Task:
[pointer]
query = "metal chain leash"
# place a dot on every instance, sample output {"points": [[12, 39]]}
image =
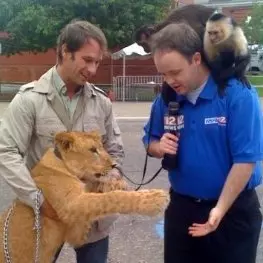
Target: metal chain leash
{"points": [[37, 227], [5, 236]]}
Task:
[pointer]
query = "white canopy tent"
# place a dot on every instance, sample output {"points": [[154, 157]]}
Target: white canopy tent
{"points": [[130, 52]]}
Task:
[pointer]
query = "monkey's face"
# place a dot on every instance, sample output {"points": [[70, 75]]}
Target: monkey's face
{"points": [[182, 75], [215, 34], [218, 31]]}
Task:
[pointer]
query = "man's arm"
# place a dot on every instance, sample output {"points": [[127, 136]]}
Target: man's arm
{"points": [[245, 143], [154, 149], [245, 129], [114, 143], [154, 129], [15, 133], [167, 144], [237, 179]]}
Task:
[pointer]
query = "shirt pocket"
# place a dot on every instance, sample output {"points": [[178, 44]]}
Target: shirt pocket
{"points": [[46, 129], [116, 130], [94, 124]]}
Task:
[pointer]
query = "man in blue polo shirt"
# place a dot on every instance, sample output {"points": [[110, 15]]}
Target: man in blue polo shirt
{"points": [[214, 213]]}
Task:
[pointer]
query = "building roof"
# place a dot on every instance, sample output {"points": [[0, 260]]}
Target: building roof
{"points": [[231, 3]]}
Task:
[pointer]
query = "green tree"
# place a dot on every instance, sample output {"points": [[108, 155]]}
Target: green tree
{"points": [[33, 25], [253, 26]]}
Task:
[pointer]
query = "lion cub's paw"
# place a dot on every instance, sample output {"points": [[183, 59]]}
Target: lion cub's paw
{"points": [[153, 201], [77, 234]]}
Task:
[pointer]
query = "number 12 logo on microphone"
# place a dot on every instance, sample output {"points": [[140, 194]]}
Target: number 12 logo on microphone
{"points": [[174, 122]]}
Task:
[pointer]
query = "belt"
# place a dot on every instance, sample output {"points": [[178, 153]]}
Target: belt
{"points": [[193, 199], [246, 193]]}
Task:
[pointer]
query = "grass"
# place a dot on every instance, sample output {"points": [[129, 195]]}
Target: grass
{"points": [[257, 81], [260, 92]]}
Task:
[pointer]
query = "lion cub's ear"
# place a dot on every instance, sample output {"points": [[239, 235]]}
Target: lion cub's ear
{"points": [[64, 140], [95, 134]]}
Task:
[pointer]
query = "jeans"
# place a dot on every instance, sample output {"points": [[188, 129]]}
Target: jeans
{"points": [[96, 252]]}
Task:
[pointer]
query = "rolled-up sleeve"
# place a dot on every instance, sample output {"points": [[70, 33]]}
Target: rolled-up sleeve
{"points": [[16, 128], [245, 128]]}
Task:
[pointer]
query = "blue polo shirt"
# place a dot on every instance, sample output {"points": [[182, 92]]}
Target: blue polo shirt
{"points": [[216, 132]]}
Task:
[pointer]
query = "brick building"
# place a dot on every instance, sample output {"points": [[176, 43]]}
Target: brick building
{"points": [[238, 9], [28, 66]]}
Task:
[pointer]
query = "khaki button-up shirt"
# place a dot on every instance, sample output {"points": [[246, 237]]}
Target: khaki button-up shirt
{"points": [[70, 104], [32, 119]]}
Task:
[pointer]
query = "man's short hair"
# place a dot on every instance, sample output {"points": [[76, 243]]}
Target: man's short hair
{"points": [[76, 34], [178, 37]]}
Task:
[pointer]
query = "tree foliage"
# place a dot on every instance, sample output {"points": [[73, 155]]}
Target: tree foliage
{"points": [[253, 27], [34, 25]]}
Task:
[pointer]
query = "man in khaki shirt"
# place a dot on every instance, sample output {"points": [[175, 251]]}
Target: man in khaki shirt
{"points": [[62, 99]]}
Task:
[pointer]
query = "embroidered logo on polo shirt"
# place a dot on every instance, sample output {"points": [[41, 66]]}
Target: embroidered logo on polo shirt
{"points": [[216, 120]]}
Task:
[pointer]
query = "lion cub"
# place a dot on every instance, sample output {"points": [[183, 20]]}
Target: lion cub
{"points": [[78, 157]]}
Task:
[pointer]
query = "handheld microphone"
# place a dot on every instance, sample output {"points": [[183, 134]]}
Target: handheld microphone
{"points": [[169, 161]]}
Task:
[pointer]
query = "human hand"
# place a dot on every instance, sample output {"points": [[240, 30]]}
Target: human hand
{"points": [[48, 210], [113, 180], [215, 217], [168, 144]]}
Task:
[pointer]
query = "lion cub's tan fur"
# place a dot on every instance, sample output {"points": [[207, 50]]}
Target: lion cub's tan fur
{"points": [[61, 180]]}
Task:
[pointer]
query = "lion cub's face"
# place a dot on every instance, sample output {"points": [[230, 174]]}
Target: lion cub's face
{"points": [[83, 154]]}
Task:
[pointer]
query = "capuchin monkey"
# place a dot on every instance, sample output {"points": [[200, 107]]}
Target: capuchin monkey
{"points": [[193, 14], [200, 18], [226, 49]]}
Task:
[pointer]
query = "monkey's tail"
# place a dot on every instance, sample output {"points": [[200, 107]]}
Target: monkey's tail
{"points": [[222, 73], [234, 72]]}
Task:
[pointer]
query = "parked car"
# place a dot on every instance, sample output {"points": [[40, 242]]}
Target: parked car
{"points": [[256, 61]]}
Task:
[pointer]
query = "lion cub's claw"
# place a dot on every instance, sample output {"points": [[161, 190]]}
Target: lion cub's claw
{"points": [[154, 201]]}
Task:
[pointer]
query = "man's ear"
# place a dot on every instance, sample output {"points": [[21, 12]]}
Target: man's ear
{"points": [[197, 58], [64, 140], [64, 50]]}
